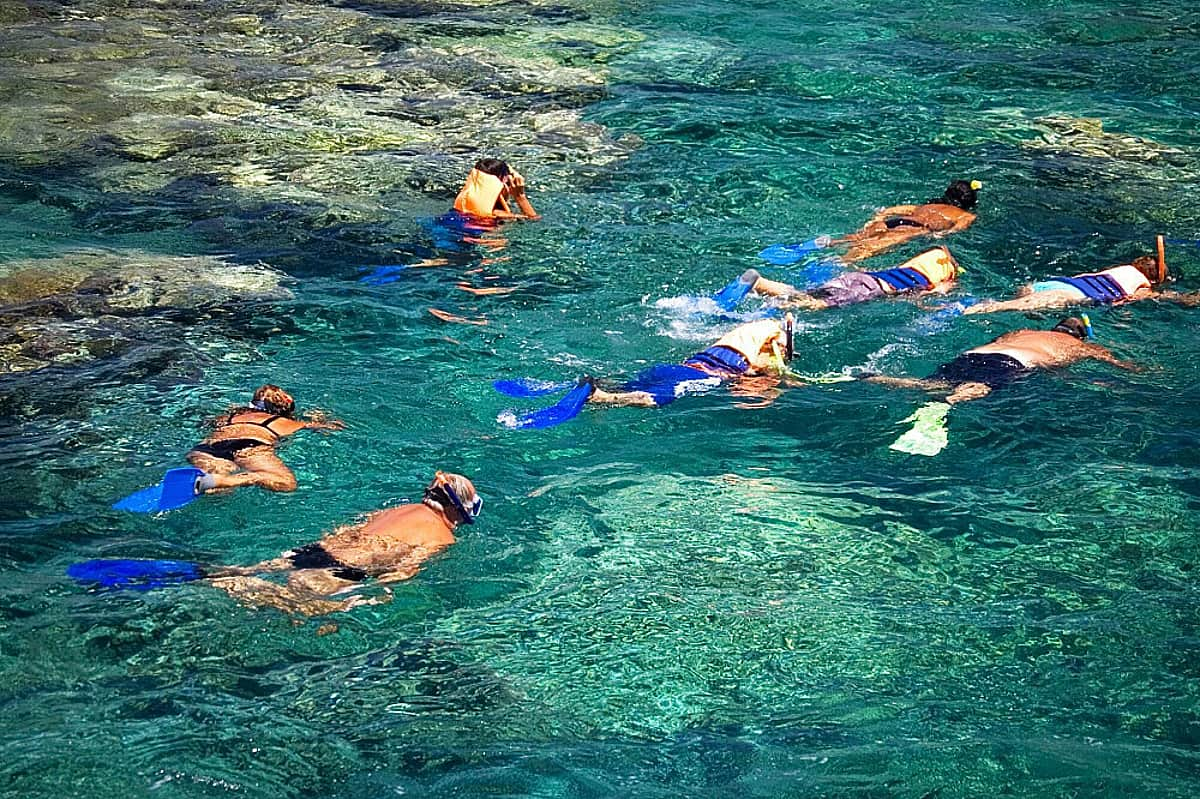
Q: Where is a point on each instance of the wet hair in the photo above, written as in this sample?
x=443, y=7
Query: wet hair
x=493, y=166
x=959, y=194
x=1148, y=266
x=1072, y=327
x=274, y=399
x=436, y=497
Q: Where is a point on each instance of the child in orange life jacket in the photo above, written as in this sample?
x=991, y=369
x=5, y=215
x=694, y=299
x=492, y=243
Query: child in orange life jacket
x=489, y=187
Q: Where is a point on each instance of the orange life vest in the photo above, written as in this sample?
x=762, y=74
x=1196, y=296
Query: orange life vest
x=480, y=195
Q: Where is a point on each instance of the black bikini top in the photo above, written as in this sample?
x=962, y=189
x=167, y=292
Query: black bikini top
x=265, y=423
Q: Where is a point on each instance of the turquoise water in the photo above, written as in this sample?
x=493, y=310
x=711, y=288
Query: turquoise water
x=705, y=600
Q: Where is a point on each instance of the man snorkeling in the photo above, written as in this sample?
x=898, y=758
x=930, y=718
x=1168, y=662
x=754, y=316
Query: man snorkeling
x=933, y=271
x=1138, y=280
x=489, y=187
x=388, y=546
x=979, y=371
x=240, y=451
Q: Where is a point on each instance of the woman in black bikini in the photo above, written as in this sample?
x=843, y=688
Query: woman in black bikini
x=241, y=449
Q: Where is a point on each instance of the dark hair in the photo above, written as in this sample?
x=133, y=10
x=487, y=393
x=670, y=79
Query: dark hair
x=1148, y=266
x=959, y=194
x=493, y=166
x=1072, y=327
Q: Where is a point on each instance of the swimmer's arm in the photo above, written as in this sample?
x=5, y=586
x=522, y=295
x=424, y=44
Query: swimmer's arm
x=406, y=572
x=965, y=392
x=1190, y=299
x=761, y=389
x=962, y=223
x=893, y=210
x=516, y=190
x=317, y=420
x=1101, y=354
x=330, y=424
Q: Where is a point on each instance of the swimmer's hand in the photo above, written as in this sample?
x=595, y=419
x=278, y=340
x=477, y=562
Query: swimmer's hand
x=317, y=420
x=515, y=182
x=358, y=601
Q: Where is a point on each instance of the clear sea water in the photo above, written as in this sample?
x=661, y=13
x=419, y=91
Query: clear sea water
x=705, y=600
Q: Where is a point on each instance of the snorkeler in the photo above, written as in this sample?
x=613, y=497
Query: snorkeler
x=389, y=546
x=753, y=349
x=933, y=271
x=1113, y=286
x=241, y=449
x=890, y=227
x=979, y=371
x=487, y=190
x=756, y=349
x=481, y=205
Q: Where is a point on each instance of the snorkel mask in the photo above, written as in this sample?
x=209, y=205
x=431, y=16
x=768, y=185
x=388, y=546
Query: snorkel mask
x=468, y=514
x=1078, y=328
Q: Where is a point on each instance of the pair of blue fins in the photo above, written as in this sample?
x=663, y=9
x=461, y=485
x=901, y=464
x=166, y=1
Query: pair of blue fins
x=177, y=488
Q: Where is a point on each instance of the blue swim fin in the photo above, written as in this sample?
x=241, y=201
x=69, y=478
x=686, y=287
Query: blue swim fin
x=564, y=410
x=728, y=297
x=787, y=254
x=138, y=575
x=176, y=489
x=530, y=387
x=940, y=318
x=822, y=271
x=382, y=275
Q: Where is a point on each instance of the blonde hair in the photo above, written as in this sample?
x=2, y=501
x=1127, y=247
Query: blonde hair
x=437, y=498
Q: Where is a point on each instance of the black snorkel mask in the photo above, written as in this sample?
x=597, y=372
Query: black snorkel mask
x=1077, y=328
x=468, y=514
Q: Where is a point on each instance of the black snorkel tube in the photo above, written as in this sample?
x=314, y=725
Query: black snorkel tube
x=789, y=337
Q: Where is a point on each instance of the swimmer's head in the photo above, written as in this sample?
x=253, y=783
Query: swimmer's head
x=493, y=166
x=273, y=399
x=775, y=352
x=962, y=194
x=1072, y=326
x=453, y=495
x=1154, y=269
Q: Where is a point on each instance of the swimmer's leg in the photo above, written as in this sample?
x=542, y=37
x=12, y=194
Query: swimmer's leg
x=793, y=297
x=210, y=464
x=640, y=399
x=261, y=467
x=257, y=592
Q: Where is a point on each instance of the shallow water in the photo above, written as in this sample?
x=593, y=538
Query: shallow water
x=706, y=600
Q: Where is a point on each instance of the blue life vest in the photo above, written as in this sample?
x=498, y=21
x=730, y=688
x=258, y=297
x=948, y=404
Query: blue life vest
x=1097, y=288
x=903, y=278
x=723, y=360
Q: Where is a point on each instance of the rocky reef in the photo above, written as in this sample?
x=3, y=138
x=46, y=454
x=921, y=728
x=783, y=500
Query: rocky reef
x=325, y=114
x=88, y=305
